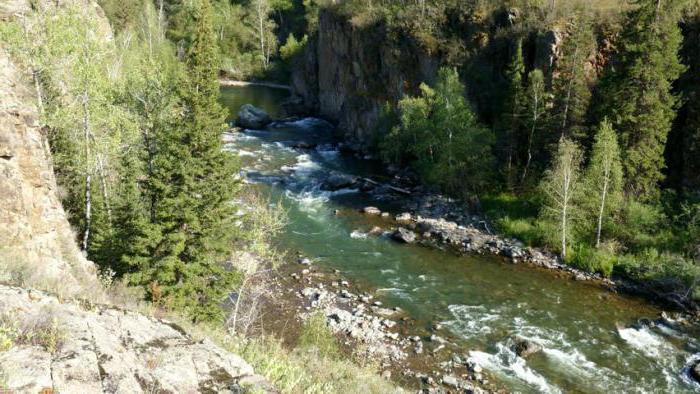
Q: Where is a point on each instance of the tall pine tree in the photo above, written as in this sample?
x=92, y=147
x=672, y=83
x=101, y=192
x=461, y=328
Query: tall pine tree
x=511, y=120
x=191, y=186
x=570, y=86
x=638, y=96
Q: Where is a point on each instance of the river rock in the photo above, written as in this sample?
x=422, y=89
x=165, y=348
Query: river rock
x=251, y=117
x=404, y=235
x=525, y=348
x=449, y=380
x=695, y=371
x=338, y=181
x=404, y=217
x=371, y=211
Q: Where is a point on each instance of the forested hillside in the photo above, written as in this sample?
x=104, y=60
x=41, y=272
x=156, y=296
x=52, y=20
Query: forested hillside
x=574, y=123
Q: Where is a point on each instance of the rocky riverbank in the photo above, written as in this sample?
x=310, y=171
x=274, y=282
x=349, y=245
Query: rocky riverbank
x=434, y=220
x=426, y=359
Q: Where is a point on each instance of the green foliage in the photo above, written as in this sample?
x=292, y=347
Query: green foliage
x=671, y=272
x=292, y=47
x=441, y=137
x=316, y=335
x=603, y=179
x=189, y=233
x=560, y=187
x=592, y=259
x=571, y=87
x=535, y=112
x=637, y=94
x=510, y=122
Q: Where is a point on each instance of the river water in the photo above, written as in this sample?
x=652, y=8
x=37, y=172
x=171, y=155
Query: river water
x=588, y=335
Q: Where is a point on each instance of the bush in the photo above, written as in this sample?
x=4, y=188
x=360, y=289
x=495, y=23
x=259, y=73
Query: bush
x=590, y=259
x=317, y=336
x=671, y=272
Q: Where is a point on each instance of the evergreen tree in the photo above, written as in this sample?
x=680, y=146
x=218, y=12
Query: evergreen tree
x=570, y=87
x=638, y=96
x=192, y=186
x=535, y=112
x=510, y=121
x=604, y=176
x=559, y=189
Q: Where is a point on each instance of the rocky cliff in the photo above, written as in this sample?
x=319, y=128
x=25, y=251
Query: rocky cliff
x=348, y=72
x=68, y=339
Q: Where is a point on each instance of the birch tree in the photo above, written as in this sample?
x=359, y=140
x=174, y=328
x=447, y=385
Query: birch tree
x=535, y=112
x=559, y=187
x=604, y=175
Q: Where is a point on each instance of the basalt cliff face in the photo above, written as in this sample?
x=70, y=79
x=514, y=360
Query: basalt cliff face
x=348, y=73
x=69, y=339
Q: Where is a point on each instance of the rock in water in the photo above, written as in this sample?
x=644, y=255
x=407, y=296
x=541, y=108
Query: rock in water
x=251, y=117
x=372, y=211
x=338, y=181
x=404, y=235
x=695, y=371
x=525, y=348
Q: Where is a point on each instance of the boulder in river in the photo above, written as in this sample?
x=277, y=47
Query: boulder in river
x=252, y=117
x=338, y=181
x=404, y=235
x=695, y=371
x=372, y=211
x=525, y=348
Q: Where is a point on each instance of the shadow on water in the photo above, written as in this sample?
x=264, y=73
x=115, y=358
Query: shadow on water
x=587, y=335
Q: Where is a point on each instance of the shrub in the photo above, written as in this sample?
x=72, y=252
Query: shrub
x=590, y=259
x=317, y=336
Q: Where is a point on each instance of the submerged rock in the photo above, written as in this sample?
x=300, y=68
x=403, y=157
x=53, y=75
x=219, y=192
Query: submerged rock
x=404, y=235
x=338, y=181
x=251, y=117
x=525, y=348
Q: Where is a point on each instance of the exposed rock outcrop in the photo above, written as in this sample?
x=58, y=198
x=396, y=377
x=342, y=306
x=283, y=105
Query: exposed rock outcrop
x=105, y=349
x=36, y=241
x=348, y=71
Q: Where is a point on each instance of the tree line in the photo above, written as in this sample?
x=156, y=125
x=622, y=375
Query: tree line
x=571, y=162
x=134, y=126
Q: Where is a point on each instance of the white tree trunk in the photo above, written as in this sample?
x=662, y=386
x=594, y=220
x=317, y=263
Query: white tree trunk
x=88, y=177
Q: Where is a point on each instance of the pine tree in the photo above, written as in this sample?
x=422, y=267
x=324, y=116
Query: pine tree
x=190, y=186
x=513, y=108
x=604, y=176
x=535, y=112
x=638, y=96
x=559, y=189
x=570, y=87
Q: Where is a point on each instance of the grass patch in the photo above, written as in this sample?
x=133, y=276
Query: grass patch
x=42, y=329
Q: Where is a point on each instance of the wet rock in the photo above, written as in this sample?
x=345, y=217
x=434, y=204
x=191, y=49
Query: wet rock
x=251, y=117
x=304, y=145
x=404, y=235
x=525, y=348
x=371, y=211
x=304, y=261
x=338, y=181
x=404, y=217
x=376, y=230
x=695, y=371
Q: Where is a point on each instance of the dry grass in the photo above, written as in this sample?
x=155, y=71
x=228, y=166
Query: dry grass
x=41, y=329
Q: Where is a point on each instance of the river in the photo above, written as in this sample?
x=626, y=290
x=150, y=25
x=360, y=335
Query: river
x=587, y=333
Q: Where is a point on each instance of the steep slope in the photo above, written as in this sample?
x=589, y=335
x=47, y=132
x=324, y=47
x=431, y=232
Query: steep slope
x=37, y=246
x=56, y=340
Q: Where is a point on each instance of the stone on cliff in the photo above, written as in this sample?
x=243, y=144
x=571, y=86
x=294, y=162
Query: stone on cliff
x=252, y=117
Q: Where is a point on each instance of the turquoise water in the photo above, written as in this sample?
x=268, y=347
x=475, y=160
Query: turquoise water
x=589, y=344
